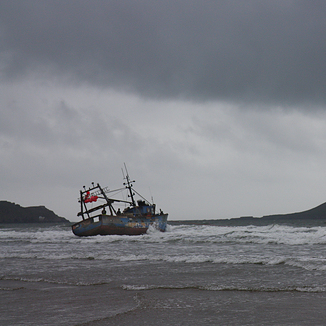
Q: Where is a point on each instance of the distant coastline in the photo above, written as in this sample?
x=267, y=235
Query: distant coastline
x=314, y=216
x=14, y=213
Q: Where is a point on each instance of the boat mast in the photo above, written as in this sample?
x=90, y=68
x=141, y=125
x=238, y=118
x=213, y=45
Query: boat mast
x=81, y=204
x=128, y=185
x=109, y=202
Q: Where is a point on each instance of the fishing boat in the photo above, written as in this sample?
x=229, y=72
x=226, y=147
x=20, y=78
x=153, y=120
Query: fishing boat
x=135, y=219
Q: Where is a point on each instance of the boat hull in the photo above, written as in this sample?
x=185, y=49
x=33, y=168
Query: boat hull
x=120, y=225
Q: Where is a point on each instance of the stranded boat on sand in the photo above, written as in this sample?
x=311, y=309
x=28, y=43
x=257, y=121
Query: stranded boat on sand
x=134, y=220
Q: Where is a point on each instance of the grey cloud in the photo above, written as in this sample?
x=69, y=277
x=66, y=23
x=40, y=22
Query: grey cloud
x=60, y=128
x=248, y=51
x=270, y=131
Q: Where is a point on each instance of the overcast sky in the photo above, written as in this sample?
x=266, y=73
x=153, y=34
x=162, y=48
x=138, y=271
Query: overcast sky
x=217, y=107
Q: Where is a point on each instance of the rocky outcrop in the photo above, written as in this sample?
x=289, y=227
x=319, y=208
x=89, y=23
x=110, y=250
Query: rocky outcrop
x=14, y=213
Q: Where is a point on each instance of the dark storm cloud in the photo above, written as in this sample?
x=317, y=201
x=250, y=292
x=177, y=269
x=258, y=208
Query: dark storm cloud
x=249, y=51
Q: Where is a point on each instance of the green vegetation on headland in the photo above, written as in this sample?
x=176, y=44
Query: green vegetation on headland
x=314, y=216
x=13, y=213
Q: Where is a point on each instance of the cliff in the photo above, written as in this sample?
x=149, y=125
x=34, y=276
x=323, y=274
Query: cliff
x=13, y=213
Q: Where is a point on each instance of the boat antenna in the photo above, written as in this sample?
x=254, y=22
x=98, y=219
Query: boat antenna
x=128, y=185
x=151, y=195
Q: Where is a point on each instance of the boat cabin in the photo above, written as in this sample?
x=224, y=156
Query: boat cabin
x=142, y=209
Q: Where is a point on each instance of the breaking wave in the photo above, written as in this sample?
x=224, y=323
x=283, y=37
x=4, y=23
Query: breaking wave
x=317, y=289
x=272, y=234
x=301, y=247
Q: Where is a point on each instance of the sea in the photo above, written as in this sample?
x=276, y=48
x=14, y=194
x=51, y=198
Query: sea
x=189, y=275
